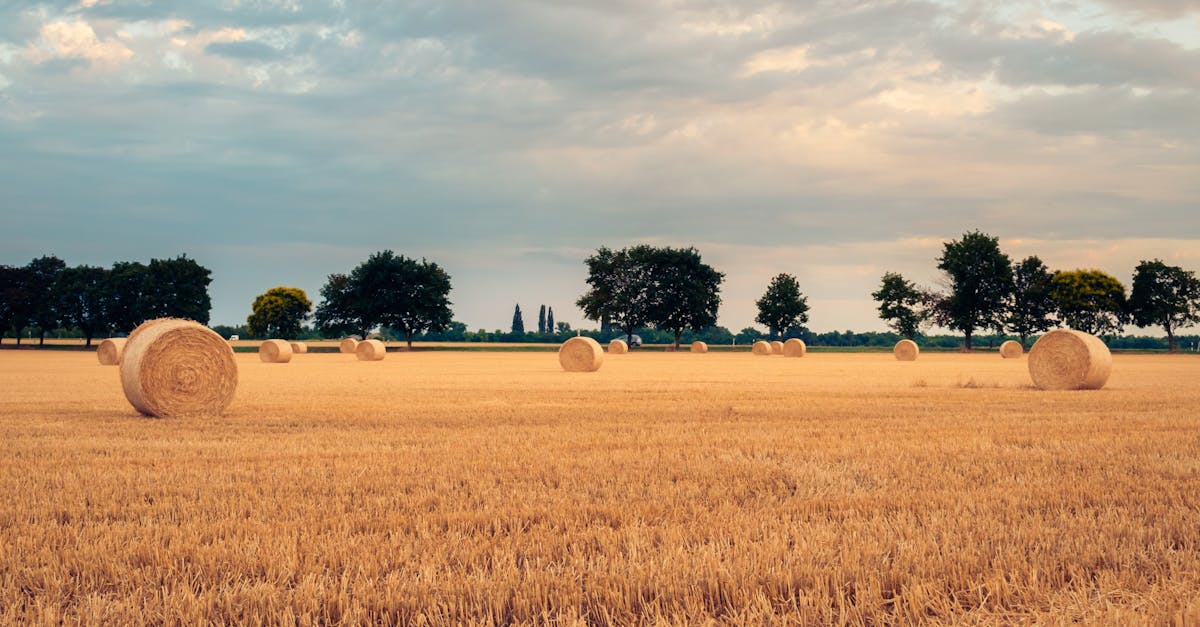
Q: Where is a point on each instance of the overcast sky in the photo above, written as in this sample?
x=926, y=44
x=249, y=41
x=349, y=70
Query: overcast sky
x=280, y=141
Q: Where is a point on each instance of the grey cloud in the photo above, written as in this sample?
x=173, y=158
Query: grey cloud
x=1157, y=9
x=246, y=50
x=1169, y=115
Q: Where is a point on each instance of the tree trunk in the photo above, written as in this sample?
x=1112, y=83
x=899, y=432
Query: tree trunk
x=629, y=338
x=41, y=337
x=408, y=336
x=88, y=344
x=1170, y=338
x=1024, y=338
x=967, y=345
x=677, y=334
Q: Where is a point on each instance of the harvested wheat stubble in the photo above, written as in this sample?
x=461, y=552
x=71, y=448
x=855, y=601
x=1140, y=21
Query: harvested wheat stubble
x=1066, y=359
x=108, y=353
x=1011, y=350
x=776, y=347
x=618, y=347
x=299, y=348
x=581, y=354
x=794, y=347
x=172, y=368
x=348, y=345
x=906, y=350
x=275, y=352
x=699, y=347
x=761, y=348
x=370, y=350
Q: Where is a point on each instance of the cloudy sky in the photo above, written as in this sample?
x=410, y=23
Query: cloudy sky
x=280, y=141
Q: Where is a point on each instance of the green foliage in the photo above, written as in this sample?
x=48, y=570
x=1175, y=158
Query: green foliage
x=176, y=288
x=981, y=281
x=83, y=299
x=900, y=305
x=550, y=326
x=1089, y=301
x=686, y=292
x=518, y=321
x=782, y=306
x=542, y=320
x=125, y=295
x=386, y=290
x=1031, y=307
x=13, y=300
x=1166, y=296
x=41, y=275
x=279, y=313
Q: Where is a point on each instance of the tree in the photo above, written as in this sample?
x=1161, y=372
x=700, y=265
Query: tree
x=542, y=320
x=981, y=281
x=782, y=306
x=125, y=295
x=686, y=292
x=13, y=300
x=83, y=299
x=620, y=287
x=1031, y=307
x=176, y=288
x=41, y=275
x=339, y=312
x=550, y=326
x=1166, y=296
x=278, y=313
x=518, y=321
x=900, y=304
x=1090, y=301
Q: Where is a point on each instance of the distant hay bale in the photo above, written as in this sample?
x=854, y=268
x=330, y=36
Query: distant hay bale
x=776, y=347
x=581, y=354
x=370, y=350
x=173, y=368
x=794, y=347
x=618, y=347
x=275, y=352
x=108, y=353
x=1011, y=350
x=1065, y=359
x=906, y=350
x=348, y=345
x=699, y=347
x=761, y=348
x=299, y=348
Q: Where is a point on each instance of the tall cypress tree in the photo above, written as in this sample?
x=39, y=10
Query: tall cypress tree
x=518, y=324
x=550, y=320
x=542, y=320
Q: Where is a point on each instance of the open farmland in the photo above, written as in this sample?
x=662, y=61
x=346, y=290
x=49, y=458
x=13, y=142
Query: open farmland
x=450, y=488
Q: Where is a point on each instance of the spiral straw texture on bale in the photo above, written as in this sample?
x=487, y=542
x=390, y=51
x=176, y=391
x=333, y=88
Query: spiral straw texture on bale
x=370, y=350
x=699, y=347
x=618, y=347
x=581, y=354
x=1065, y=359
x=108, y=353
x=776, y=347
x=906, y=350
x=761, y=348
x=348, y=345
x=299, y=348
x=1011, y=350
x=795, y=347
x=174, y=368
x=275, y=352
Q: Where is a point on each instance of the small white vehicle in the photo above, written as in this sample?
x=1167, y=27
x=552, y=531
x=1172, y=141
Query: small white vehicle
x=634, y=341
x=234, y=338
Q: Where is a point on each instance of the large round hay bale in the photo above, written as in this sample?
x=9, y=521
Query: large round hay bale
x=776, y=347
x=761, y=348
x=618, y=347
x=275, y=352
x=794, y=347
x=370, y=350
x=1011, y=350
x=699, y=347
x=581, y=354
x=1065, y=359
x=108, y=353
x=172, y=367
x=299, y=348
x=906, y=350
x=348, y=345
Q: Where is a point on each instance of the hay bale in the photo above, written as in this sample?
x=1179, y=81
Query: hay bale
x=172, y=367
x=1011, y=350
x=108, y=353
x=348, y=345
x=761, y=348
x=795, y=347
x=370, y=350
x=1065, y=359
x=699, y=347
x=581, y=354
x=906, y=350
x=776, y=347
x=618, y=347
x=299, y=348
x=275, y=352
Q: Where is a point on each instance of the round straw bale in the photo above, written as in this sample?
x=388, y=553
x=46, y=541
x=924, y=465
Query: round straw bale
x=906, y=350
x=275, y=352
x=370, y=350
x=618, y=347
x=348, y=345
x=1011, y=350
x=108, y=353
x=761, y=348
x=1065, y=359
x=299, y=348
x=776, y=347
x=581, y=354
x=172, y=367
x=699, y=347
x=794, y=347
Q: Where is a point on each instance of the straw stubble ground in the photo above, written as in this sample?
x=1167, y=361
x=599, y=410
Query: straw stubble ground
x=667, y=487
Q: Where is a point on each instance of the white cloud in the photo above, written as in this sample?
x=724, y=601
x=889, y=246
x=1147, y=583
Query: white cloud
x=77, y=40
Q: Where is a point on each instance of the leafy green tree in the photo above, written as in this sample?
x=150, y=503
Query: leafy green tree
x=619, y=287
x=83, y=299
x=542, y=320
x=900, y=304
x=685, y=291
x=518, y=321
x=747, y=335
x=1089, y=301
x=550, y=326
x=125, y=296
x=13, y=300
x=340, y=312
x=279, y=313
x=177, y=288
x=782, y=306
x=981, y=280
x=42, y=276
x=1031, y=307
x=1166, y=296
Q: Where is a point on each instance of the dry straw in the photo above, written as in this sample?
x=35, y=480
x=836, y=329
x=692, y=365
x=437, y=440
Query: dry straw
x=172, y=367
x=581, y=354
x=1011, y=350
x=699, y=347
x=906, y=350
x=761, y=348
x=618, y=347
x=108, y=353
x=348, y=345
x=1065, y=359
x=370, y=350
x=794, y=347
x=776, y=347
x=275, y=352
x=299, y=348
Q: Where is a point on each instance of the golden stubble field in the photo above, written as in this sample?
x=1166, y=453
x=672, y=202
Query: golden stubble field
x=493, y=488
